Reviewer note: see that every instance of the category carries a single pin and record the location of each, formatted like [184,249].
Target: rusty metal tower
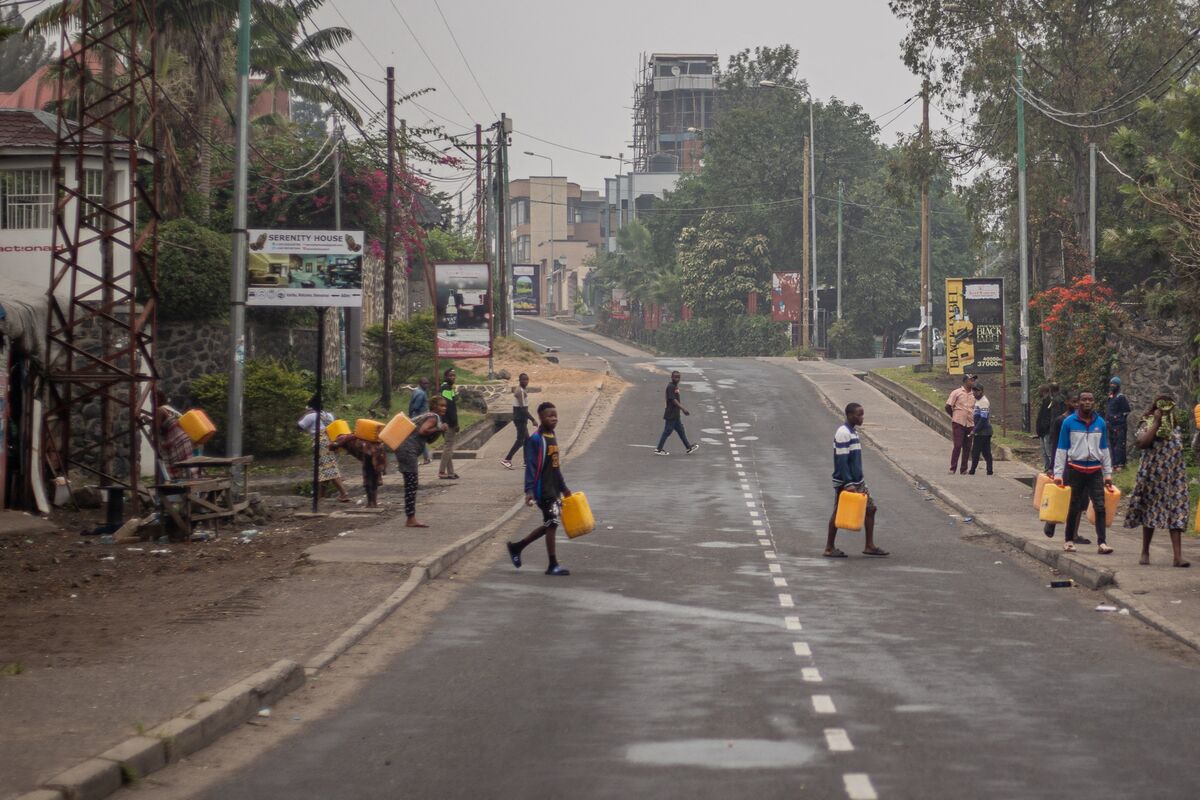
[104,276]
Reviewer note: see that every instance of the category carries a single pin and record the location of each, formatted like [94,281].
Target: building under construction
[674,101]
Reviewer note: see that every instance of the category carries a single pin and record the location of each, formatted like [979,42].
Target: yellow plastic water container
[197,426]
[397,430]
[1196,414]
[1042,480]
[851,511]
[368,429]
[577,516]
[339,427]
[1196,527]
[1112,497]
[1056,502]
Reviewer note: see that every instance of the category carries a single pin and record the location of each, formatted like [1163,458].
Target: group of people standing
[970,414]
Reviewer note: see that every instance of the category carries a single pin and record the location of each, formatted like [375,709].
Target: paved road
[702,648]
[546,336]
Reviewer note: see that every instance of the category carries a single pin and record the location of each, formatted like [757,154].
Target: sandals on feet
[1069,547]
[835,553]
[1183,564]
[878,552]
[1104,550]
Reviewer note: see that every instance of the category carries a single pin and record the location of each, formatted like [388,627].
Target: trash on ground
[1176,602]
[1103,607]
[968,519]
[202,536]
[997,562]
[108,558]
[264,712]
[1063,584]
[135,549]
[1124,612]
[160,552]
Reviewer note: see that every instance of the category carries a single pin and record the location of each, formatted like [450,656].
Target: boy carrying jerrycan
[544,485]
[853,508]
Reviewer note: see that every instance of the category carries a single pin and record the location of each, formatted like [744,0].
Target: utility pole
[237,282]
[804,329]
[478,187]
[389,234]
[926,311]
[1092,206]
[841,188]
[505,248]
[812,210]
[1022,245]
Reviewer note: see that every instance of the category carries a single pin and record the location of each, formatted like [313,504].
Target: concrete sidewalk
[58,720]
[619,346]
[1002,504]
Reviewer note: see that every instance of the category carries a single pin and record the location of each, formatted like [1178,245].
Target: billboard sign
[304,268]
[619,309]
[974,325]
[786,300]
[464,312]
[527,289]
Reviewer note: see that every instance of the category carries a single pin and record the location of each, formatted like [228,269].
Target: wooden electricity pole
[926,305]
[389,230]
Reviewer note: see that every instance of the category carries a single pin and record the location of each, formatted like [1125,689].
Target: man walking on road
[544,484]
[961,408]
[848,477]
[671,417]
[520,418]
[1084,463]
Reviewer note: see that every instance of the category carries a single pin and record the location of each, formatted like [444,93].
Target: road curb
[1097,578]
[207,721]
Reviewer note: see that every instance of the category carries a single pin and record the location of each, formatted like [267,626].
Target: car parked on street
[910,343]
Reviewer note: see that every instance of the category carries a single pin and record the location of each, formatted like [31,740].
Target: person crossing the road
[544,485]
[848,476]
[673,424]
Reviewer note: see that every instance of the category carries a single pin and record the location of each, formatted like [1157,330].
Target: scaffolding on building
[101,326]
[674,101]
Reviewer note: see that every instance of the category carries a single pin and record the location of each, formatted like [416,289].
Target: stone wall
[1152,356]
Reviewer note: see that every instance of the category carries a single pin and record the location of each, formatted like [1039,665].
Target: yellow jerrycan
[1112,497]
[339,427]
[197,426]
[1056,502]
[396,431]
[367,429]
[1196,527]
[1038,487]
[851,510]
[577,516]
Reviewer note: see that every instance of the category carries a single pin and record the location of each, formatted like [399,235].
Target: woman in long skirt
[1160,496]
[327,468]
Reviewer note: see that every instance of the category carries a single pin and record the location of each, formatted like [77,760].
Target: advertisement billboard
[974,325]
[464,313]
[304,268]
[786,300]
[527,289]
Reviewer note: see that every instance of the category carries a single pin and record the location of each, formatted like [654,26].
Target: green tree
[720,265]
[193,271]
[20,56]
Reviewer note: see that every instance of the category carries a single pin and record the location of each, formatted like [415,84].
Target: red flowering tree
[1081,321]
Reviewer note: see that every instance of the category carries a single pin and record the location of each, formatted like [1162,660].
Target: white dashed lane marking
[780,582]
[858,787]
[810,674]
[785,600]
[823,704]
[837,740]
[791,623]
[801,649]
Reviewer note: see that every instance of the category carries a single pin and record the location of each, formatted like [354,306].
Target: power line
[429,58]
[464,58]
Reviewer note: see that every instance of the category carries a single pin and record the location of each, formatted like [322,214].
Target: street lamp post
[812,166]
[552,263]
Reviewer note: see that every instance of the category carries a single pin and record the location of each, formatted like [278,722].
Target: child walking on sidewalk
[544,484]
[848,477]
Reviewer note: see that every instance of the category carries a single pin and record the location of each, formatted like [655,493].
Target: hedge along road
[703,648]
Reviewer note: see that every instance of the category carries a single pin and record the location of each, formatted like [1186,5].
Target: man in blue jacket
[1084,463]
[544,485]
[848,477]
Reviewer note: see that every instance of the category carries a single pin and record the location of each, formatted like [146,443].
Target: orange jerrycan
[197,426]
[396,431]
[339,427]
[577,516]
[367,429]
[1038,487]
[1112,497]
[1196,527]
[1056,502]
[851,510]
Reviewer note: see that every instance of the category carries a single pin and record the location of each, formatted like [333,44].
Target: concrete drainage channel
[206,722]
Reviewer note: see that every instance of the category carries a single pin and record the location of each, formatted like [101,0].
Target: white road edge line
[858,786]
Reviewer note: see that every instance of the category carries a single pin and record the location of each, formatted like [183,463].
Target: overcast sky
[564,70]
